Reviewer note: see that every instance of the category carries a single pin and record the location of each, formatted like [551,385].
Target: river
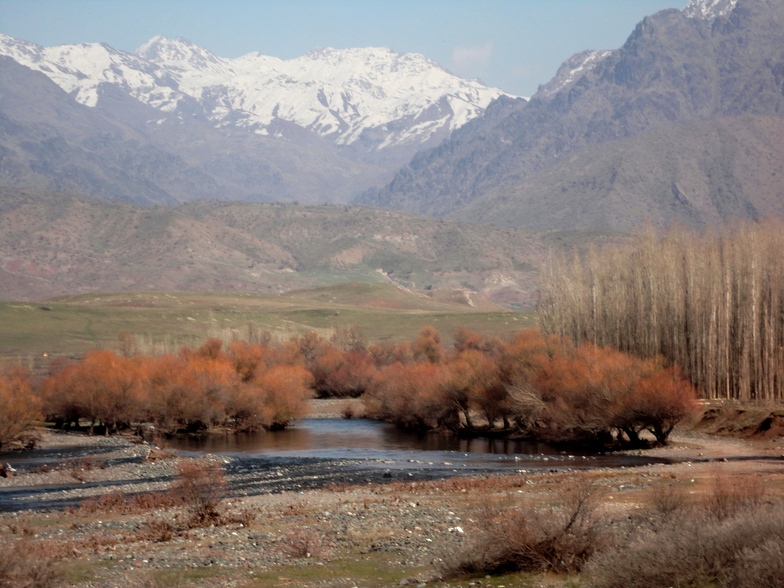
[394,448]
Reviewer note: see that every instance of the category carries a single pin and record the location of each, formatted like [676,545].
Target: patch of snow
[572,70]
[709,9]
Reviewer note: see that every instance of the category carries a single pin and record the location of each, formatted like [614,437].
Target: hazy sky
[511,44]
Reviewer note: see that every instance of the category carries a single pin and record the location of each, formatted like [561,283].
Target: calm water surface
[314,452]
[360,439]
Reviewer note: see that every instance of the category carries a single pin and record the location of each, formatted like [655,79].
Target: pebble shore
[299,522]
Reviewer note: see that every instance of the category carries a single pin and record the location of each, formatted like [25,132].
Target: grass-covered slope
[163,321]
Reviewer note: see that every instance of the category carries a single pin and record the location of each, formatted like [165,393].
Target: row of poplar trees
[712,303]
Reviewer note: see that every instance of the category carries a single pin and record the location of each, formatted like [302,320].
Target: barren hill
[54,244]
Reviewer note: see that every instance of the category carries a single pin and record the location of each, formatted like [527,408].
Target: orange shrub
[385,354]
[215,380]
[465,340]
[248,359]
[20,409]
[102,387]
[285,390]
[354,376]
[113,386]
[551,389]
[592,394]
[427,346]
[412,396]
[60,396]
[286,354]
[246,407]
[660,401]
[172,400]
[482,379]
[328,361]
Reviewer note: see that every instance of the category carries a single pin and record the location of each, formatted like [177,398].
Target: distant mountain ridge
[174,123]
[369,97]
[718,64]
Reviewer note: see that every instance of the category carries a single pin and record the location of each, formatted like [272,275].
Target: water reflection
[319,435]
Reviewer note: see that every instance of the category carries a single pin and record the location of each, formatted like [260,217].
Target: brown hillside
[56,244]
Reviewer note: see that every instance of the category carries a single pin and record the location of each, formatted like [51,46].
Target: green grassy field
[165,321]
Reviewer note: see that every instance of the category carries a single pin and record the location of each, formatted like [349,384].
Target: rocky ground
[307,524]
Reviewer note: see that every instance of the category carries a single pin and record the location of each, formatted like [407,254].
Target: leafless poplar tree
[712,303]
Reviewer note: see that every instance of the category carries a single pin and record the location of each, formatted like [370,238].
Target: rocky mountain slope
[682,123]
[52,244]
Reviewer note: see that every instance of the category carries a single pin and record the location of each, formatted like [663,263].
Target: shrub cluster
[20,409]
[544,386]
[28,564]
[731,538]
[195,389]
[559,538]
[199,489]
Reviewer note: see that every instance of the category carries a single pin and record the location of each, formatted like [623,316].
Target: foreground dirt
[348,533]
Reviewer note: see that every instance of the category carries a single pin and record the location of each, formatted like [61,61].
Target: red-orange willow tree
[20,409]
[193,390]
[536,386]
[542,387]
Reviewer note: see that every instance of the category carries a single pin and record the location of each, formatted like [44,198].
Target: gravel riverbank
[301,522]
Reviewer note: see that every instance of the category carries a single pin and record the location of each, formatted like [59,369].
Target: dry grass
[120,503]
[157,531]
[729,496]
[728,537]
[668,499]
[559,536]
[28,564]
[199,489]
[699,549]
[200,486]
[303,542]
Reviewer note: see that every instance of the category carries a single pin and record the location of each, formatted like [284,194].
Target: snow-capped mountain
[369,97]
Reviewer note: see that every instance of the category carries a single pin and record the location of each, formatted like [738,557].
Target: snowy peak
[178,53]
[81,69]
[371,97]
[709,9]
[20,50]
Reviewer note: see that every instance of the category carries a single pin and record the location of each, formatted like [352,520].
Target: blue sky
[511,44]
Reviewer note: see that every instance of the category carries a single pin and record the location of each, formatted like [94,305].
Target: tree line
[712,303]
[532,385]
